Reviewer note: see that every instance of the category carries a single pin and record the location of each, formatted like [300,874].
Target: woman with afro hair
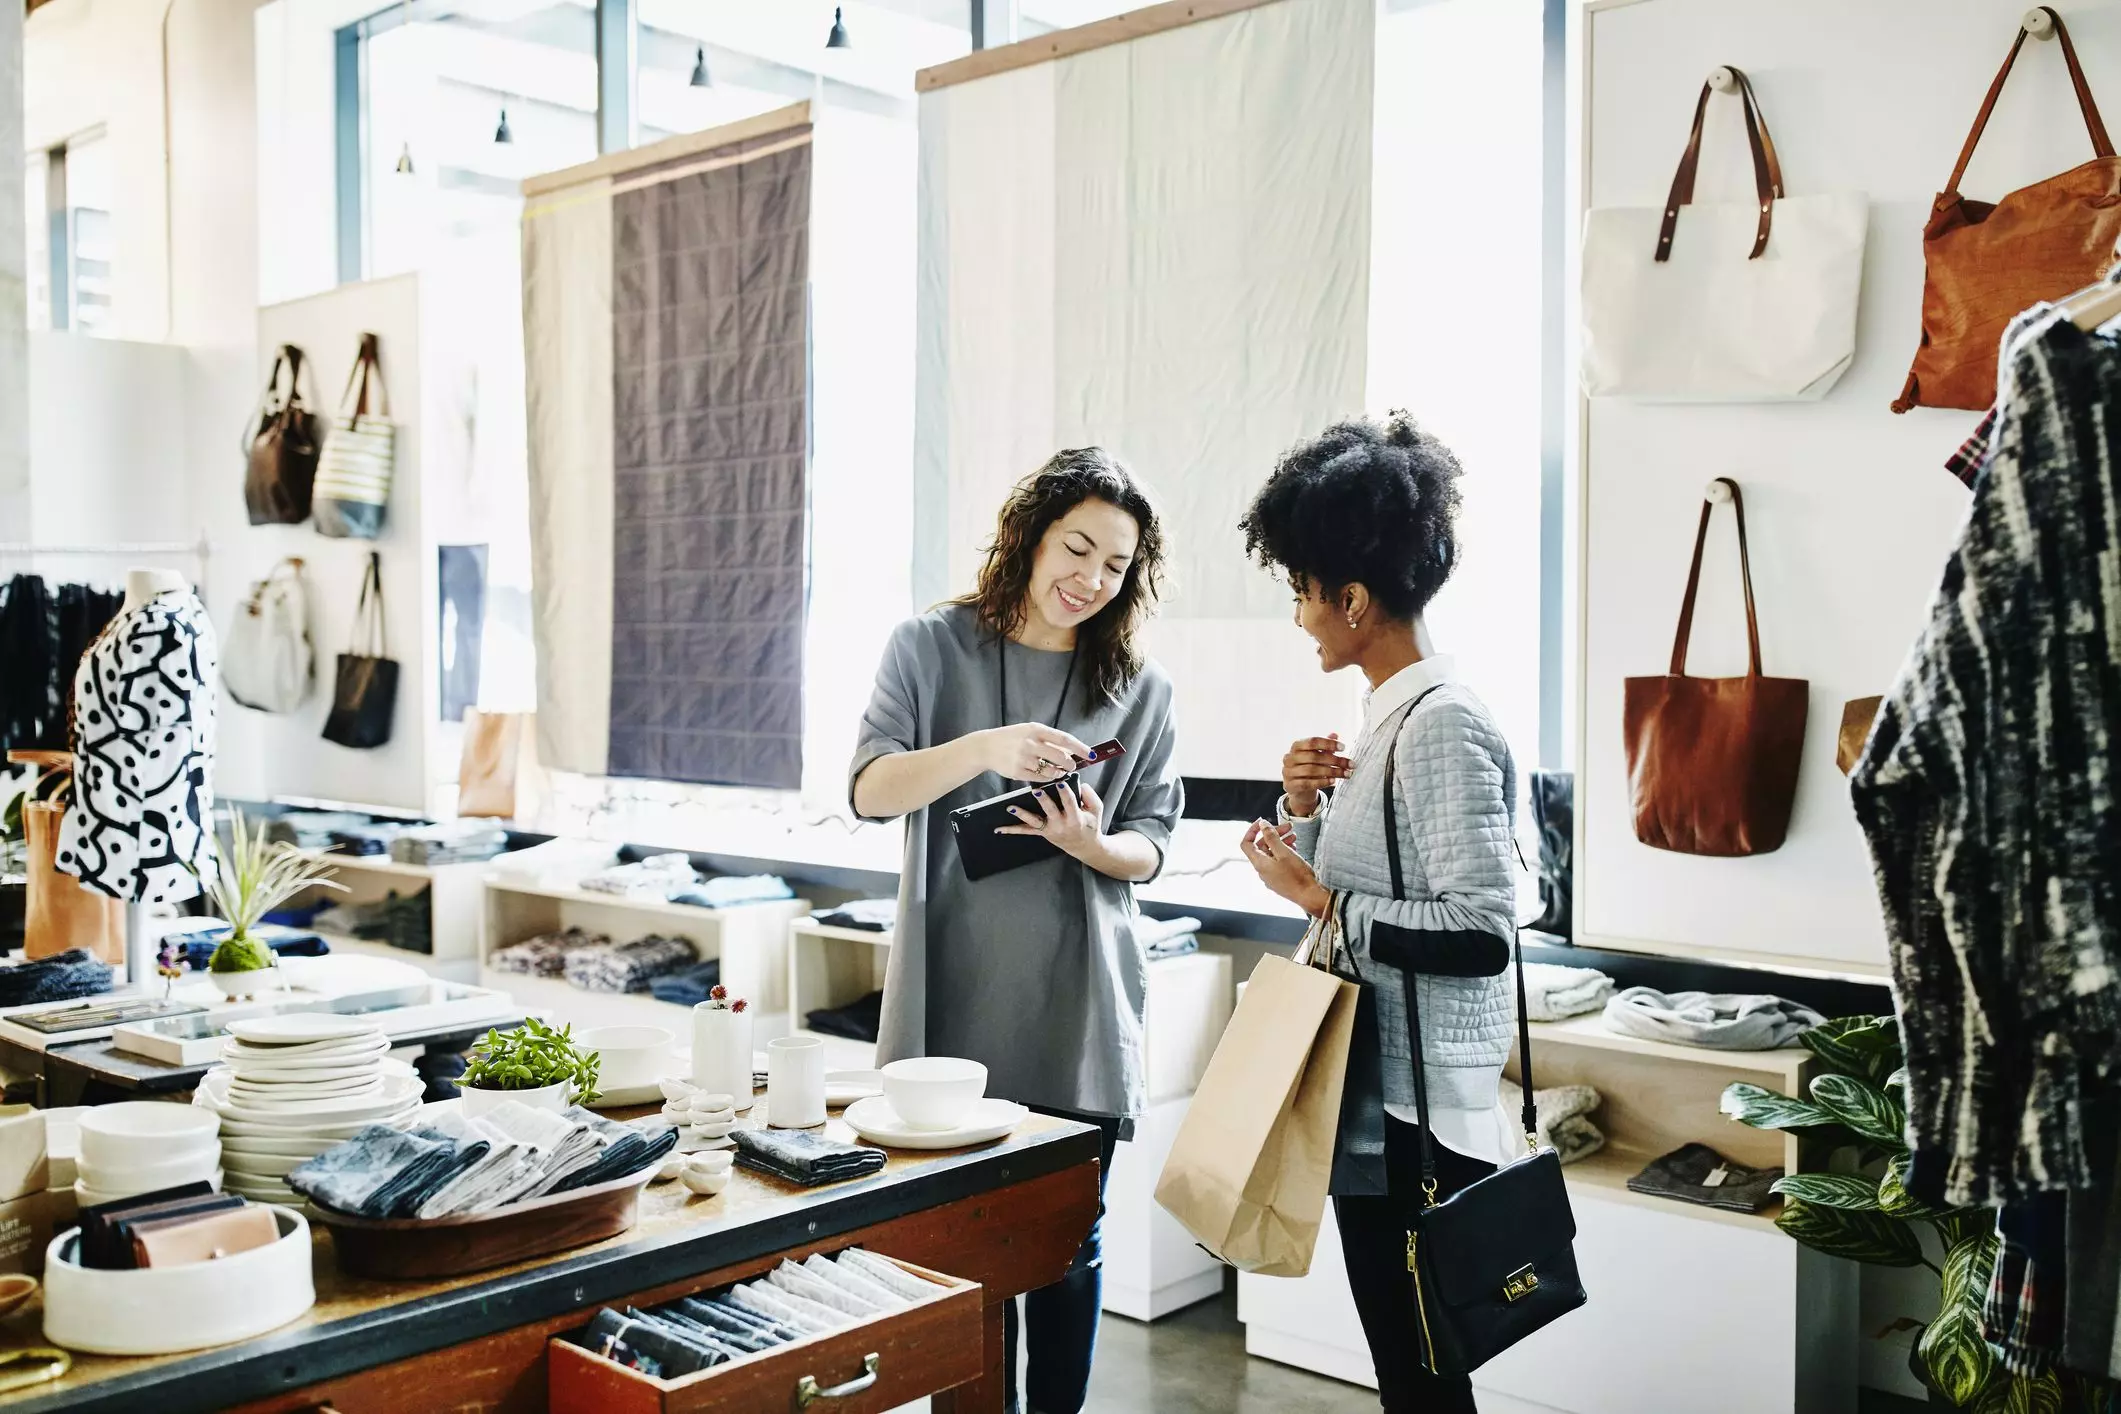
[1362,521]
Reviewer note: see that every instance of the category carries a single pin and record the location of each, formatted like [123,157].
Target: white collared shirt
[1384,701]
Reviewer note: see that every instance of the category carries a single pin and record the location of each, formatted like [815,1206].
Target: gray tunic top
[1035,972]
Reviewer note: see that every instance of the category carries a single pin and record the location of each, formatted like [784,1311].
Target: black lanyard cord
[1001,677]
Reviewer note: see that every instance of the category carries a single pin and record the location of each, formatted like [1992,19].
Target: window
[69,246]
[37,248]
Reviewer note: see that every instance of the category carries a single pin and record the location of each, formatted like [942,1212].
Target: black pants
[1060,1321]
[1373,1239]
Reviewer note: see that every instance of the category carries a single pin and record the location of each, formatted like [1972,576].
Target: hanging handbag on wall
[1496,1260]
[1732,301]
[353,480]
[367,687]
[266,658]
[282,448]
[1985,263]
[1712,762]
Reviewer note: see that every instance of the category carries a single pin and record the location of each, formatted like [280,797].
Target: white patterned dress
[140,826]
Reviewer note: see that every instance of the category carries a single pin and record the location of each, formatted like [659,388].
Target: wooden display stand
[1704,1309]
[829,966]
[455,906]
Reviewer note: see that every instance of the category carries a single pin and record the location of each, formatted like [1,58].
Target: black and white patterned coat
[140,826]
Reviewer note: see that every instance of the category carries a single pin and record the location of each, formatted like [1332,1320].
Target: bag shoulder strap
[368,612]
[1529,1112]
[366,374]
[1693,584]
[2102,146]
[1767,168]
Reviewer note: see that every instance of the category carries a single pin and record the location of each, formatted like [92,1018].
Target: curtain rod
[618,164]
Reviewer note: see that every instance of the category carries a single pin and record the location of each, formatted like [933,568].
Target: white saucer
[877,1122]
[844,1087]
[296,1028]
[398,1092]
[630,1095]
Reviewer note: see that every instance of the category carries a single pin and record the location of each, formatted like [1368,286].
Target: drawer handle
[807,1391]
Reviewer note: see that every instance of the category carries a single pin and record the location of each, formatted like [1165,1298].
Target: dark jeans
[1373,1239]
[1061,1320]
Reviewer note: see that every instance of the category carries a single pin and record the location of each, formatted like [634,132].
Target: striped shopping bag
[353,480]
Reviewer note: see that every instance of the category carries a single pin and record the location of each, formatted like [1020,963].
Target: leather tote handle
[265,408]
[1693,584]
[1529,1113]
[367,372]
[368,612]
[2102,145]
[1767,168]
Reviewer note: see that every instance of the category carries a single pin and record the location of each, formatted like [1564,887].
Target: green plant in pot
[1852,1201]
[532,1063]
[253,876]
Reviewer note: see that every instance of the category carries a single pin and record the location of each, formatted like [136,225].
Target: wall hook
[2039,23]
[1716,492]
[1722,79]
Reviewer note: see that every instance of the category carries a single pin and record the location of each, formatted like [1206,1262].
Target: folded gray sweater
[1721,1021]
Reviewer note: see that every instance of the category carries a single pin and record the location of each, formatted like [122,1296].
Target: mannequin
[140,826]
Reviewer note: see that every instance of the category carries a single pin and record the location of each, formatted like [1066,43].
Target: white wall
[1849,509]
[14,348]
[107,426]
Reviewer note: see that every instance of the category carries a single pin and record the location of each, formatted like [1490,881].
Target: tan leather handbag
[1712,762]
[498,775]
[1988,262]
[61,913]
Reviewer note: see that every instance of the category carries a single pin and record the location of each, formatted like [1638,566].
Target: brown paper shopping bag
[1247,1174]
[61,914]
[498,775]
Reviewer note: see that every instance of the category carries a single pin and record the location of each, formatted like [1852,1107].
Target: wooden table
[1008,1215]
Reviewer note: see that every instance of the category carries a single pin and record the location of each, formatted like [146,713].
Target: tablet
[986,853]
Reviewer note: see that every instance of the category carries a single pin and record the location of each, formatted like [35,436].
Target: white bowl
[88,1195]
[934,1092]
[161,1310]
[630,1057]
[545,1097]
[147,1177]
[145,1131]
[255,982]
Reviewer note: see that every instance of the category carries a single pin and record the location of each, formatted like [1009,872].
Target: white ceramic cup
[721,1053]
[795,1082]
[934,1092]
[629,1057]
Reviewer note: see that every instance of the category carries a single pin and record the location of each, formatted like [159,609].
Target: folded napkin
[1719,1021]
[369,1173]
[626,1149]
[1565,1123]
[719,1341]
[1696,1173]
[801,1157]
[852,1282]
[887,1274]
[726,1307]
[735,1324]
[675,1355]
[797,1282]
[733,890]
[805,1315]
[1554,993]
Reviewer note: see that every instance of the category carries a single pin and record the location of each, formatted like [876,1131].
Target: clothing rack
[200,550]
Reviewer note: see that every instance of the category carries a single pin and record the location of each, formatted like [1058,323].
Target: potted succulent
[532,1063]
[1856,1205]
[252,877]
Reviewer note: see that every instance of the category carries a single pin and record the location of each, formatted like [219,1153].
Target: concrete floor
[1194,1362]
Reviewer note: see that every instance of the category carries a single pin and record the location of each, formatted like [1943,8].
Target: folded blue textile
[690,986]
[348,1177]
[730,890]
[802,1157]
[626,1150]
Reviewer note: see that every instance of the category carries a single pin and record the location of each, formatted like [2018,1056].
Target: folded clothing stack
[856,1021]
[1718,1021]
[401,920]
[1695,1173]
[1167,937]
[658,877]
[1554,993]
[452,842]
[546,954]
[790,1303]
[311,829]
[800,1157]
[1565,1121]
[866,915]
[732,891]
[688,986]
[369,840]
[60,977]
[452,1164]
[629,967]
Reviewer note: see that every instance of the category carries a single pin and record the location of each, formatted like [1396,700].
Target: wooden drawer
[930,1346]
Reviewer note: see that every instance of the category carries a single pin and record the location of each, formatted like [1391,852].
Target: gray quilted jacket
[1457,796]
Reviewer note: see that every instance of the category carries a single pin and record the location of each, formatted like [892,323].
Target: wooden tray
[876,1364]
[408,1248]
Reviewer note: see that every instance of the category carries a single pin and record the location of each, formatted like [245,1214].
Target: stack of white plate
[293,1086]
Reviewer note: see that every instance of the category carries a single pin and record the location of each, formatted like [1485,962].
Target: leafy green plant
[531,1057]
[1852,1201]
[252,877]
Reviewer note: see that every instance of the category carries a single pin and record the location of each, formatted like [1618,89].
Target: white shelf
[1591,1031]
[1606,1173]
[378,864]
[661,908]
[811,928]
[448,969]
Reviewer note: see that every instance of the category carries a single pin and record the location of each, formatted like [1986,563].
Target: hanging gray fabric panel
[710,278]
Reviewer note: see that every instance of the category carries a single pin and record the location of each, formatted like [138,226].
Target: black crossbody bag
[1495,1261]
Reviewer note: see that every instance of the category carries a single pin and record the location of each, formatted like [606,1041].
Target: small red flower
[738,1005]
[718,992]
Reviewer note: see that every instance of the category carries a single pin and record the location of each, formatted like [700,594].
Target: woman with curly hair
[1363,522]
[1034,971]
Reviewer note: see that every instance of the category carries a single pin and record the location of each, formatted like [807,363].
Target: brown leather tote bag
[1712,762]
[281,452]
[1988,262]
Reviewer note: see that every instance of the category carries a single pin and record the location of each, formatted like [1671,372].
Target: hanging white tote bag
[353,478]
[1722,302]
[266,657]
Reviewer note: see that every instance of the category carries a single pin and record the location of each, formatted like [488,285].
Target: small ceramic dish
[15,1288]
[704,1183]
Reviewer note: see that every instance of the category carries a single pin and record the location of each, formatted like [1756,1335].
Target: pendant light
[699,69]
[838,38]
[502,134]
[405,160]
